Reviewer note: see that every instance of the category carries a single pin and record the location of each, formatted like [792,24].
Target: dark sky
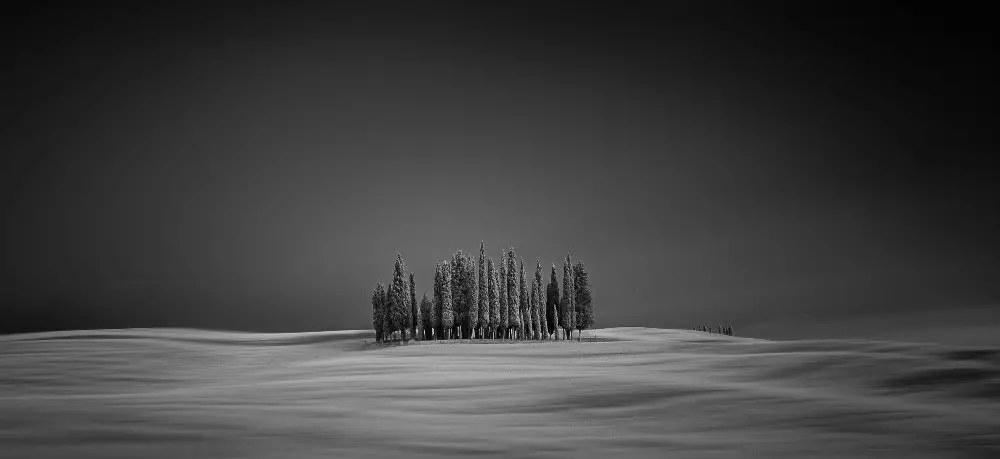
[794,172]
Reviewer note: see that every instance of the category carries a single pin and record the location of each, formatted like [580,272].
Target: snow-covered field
[633,392]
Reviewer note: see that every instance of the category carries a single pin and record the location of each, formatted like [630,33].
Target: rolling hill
[622,392]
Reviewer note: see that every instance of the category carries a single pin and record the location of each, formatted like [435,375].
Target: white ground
[639,393]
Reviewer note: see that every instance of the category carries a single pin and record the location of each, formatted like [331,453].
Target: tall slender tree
[447,307]
[513,294]
[472,298]
[584,300]
[464,294]
[426,312]
[436,324]
[504,311]
[408,318]
[399,296]
[458,292]
[379,311]
[494,298]
[542,322]
[552,303]
[525,303]
[414,308]
[482,288]
[533,311]
[567,307]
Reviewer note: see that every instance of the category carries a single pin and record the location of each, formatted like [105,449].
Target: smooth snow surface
[632,392]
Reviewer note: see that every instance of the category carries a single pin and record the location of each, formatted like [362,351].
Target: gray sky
[259,169]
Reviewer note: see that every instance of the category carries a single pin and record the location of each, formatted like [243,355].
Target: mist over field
[621,392]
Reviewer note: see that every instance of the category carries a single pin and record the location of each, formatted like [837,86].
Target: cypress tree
[458,291]
[584,300]
[407,324]
[399,310]
[504,316]
[542,325]
[513,294]
[483,291]
[525,304]
[541,316]
[447,307]
[378,311]
[540,311]
[426,311]
[464,295]
[552,303]
[494,298]
[438,302]
[533,311]
[567,308]
[472,303]
[414,309]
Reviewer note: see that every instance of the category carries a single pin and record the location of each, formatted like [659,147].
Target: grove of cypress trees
[513,294]
[447,307]
[504,311]
[482,289]
[379,311]
[584,301]
[426,312]
[414,309]
[525,304]
[552,303]
[567,307]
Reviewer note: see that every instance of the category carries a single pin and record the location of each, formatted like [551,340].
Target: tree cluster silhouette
[484,299]
[717,329]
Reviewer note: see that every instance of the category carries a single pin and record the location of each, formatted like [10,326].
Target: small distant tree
[584,300]
[426,313]
[567,307]
[494,297]
[504,311]
[513,294]
[447,307]
[378,311]
[552,303]
[483,291]
[414,309]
